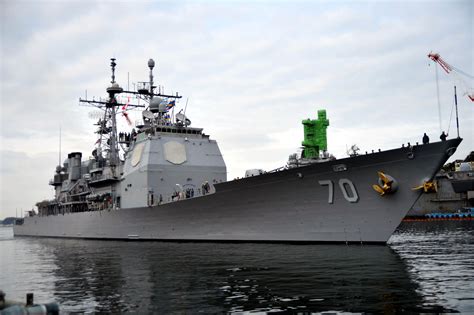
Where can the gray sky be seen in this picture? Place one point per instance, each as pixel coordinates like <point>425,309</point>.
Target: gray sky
<point>252,70</point>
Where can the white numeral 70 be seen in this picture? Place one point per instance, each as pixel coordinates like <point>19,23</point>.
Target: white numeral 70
<point>344,184</point>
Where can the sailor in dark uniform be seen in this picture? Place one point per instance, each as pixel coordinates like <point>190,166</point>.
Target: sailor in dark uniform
<point>426,139</point>
<point>443,136</point>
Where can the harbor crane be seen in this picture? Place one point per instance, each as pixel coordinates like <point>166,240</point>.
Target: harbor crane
<point>449,69</point>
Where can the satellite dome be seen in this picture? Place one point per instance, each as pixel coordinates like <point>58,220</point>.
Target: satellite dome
<point>151,63</point>
<point>155,104</point>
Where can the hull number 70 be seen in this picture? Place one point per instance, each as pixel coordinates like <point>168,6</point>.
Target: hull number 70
<point>347,188</point>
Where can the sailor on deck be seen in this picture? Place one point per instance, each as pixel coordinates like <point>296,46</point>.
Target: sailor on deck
<point>443,136</point>
<point>426,139</point>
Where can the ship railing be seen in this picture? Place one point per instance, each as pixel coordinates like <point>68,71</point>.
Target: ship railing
<point>460,175</point>
<point>102,177</point>
<point>143,87</point>
<point>282,168</point>
<point>183,195</point>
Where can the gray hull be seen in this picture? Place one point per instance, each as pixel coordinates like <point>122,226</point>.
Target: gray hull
<point>294,205</point>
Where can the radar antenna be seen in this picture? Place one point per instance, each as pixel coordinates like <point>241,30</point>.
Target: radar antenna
<point>107,125</point>
<point>151,65</point>
<point>113,64</point>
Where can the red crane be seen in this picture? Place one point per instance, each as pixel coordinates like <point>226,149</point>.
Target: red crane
<point>449,69</point>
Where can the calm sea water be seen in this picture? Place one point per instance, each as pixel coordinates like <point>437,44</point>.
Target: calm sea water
<point>427,266</point>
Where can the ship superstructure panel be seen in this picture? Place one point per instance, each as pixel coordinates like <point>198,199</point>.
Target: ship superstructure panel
<point>162,164</point>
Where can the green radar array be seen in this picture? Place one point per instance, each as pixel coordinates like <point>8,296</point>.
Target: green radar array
<point>315,136</point>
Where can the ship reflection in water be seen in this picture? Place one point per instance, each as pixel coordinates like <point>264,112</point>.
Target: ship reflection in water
<point>215,278</point>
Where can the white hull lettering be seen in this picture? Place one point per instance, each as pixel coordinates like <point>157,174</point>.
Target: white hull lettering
<point>347,188</point>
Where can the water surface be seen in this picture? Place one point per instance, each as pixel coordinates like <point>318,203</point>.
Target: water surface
<point>427,266</point>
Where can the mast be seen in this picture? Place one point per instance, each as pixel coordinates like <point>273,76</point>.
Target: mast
<point>456,104</point>
<point>151,65</point>
<point>108,143</point>
<point>59,158</point>
<point>110,114</point>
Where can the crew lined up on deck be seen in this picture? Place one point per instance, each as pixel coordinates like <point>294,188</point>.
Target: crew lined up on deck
<point>426,139</point>
<point>127,137</point>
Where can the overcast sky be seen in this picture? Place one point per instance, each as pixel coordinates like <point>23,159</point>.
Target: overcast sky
<point>251,70</point>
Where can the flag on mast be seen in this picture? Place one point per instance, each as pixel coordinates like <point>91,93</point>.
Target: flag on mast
<point>171,105</point>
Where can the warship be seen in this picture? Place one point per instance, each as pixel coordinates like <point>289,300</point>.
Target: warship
<point>453,190</point>
<point>167,181</point>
